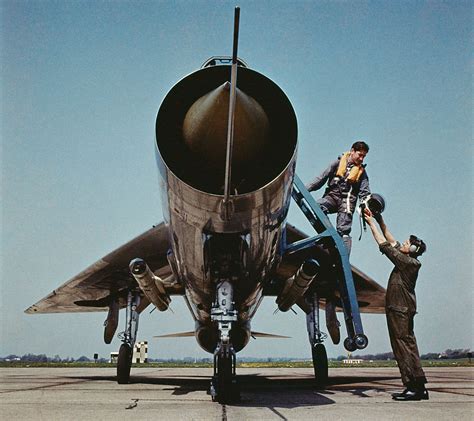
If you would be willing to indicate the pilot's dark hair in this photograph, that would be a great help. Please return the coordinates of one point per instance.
(419, 244)
(360, 145)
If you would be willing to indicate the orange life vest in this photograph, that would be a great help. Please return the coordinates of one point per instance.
(355, 172)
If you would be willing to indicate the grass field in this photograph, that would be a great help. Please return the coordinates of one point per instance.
(274, 364)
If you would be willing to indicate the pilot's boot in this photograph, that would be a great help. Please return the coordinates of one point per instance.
(332, 323)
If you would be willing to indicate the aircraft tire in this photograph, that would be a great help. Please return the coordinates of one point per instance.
(124, 364)
(227, 389)
(320, 365)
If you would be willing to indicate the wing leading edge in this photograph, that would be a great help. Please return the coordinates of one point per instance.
(109, 277)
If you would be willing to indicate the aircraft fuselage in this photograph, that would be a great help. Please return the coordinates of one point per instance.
(213, 240)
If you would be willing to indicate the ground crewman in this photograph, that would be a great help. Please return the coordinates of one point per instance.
(346, 181)
(400, 306)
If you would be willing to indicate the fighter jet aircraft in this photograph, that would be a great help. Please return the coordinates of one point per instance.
(226, 143)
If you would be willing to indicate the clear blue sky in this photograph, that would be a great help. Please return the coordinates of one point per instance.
(81, 83)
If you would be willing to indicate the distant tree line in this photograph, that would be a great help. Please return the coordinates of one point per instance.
(451, 354)
(42, 358)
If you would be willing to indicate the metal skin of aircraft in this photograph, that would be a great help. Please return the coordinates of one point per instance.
(226, 152)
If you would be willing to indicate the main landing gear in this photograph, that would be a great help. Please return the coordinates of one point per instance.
(224, 388)
(316, 338)
(124, 364)
(129, 336)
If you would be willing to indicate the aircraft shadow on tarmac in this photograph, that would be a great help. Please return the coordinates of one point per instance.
(270, 391)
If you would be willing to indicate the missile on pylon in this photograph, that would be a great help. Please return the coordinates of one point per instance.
(297, 285)
(151, 285)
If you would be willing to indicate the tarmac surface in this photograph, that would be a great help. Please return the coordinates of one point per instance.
(266, 394)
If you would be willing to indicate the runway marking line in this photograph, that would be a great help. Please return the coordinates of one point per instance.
(49, 386)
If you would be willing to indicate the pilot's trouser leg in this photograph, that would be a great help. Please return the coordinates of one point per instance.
(344, 226)
(405, 349)
(328, 204)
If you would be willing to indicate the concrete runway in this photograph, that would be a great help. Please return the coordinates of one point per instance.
(267, 394)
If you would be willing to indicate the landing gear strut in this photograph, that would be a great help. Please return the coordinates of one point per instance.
(316, 338)
(129, 336)
(224, 387)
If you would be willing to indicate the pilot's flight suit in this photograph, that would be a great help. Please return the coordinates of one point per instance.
(400, 306)
(341, 194)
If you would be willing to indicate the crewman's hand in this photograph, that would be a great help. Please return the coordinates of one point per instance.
(368, 216)
(378, 218)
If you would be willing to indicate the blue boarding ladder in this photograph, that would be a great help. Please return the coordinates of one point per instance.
(345, 282)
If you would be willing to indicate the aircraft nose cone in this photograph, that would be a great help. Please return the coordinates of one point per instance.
(205, 128)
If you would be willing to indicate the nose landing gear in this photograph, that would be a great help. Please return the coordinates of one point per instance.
(224, 387)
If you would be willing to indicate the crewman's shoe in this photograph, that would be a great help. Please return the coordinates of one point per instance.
(398, 394)
(412, 395)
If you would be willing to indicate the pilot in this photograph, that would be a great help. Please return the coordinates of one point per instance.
(400, 306)
(346, 181)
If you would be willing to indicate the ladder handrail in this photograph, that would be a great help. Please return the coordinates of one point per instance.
(325, 229)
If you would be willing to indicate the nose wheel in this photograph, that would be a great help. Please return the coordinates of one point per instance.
(224, 387)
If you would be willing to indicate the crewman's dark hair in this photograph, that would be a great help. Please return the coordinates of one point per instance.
(419, 244)
(360, 145)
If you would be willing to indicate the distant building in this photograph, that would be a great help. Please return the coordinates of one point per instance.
(113, 357)
(352, 361)
(140, 353)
